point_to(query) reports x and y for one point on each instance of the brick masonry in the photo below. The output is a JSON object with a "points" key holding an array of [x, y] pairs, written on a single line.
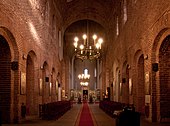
{"points": [[31, 28]]}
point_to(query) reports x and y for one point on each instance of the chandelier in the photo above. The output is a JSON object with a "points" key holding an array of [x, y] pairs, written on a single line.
{"points": [[84, 78], [87, 47], [84, 83]]}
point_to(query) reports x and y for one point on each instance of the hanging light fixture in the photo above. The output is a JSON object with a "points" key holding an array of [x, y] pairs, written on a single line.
{"points": [[84, 78], [84, 83], [88, 47]]}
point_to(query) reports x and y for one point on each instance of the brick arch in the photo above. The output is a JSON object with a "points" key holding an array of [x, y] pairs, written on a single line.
{"points": [[155, 75], [141, 84], [14, 75], [33, 55], [137, 55], [157, 43], [164, 76], [138, 86], [45, 85], [83, 22], [86, 9], [53, 87], [5, 79], [125, 83], [79, 12], [11, 41], [102, 23], [124, 69], [116, 80], [31, 87], [117, 84], [46, 66], [54, 73]]}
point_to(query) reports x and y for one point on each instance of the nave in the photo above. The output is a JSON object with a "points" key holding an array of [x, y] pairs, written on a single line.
{"points": [[72, 118]]}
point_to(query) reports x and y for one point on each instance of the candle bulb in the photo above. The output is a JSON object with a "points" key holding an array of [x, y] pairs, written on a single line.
{"points": [[84, 37], [94, 37]]}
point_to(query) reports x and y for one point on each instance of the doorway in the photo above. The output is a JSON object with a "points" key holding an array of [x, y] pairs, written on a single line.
{"points": [[5, 80], [140, 86], [30, 104], [85, 95], [164, 75]]}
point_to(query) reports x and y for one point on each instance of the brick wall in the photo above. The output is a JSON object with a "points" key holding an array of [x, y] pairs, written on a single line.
{"points": [[146, 21], [34, 26]]}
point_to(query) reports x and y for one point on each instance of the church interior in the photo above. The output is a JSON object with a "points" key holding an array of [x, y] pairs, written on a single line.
{"points": [[101, 55]]}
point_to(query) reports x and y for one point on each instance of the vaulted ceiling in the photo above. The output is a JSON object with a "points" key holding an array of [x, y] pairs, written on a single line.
{"points": [[79, 28], [75, 14], [98, 10]]}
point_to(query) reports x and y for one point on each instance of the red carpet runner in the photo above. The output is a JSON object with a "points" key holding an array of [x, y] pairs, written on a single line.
{"points": [[85, 117]]}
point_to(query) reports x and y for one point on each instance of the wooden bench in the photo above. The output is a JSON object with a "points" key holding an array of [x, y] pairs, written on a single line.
{"points": [[165, 115]]}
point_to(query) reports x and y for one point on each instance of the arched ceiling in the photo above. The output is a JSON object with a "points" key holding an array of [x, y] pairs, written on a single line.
{"points": [[76, 12], [79, 28], [97, 10]]}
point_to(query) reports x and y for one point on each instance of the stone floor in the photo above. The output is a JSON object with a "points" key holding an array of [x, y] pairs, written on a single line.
{"points": [[71, 119]]}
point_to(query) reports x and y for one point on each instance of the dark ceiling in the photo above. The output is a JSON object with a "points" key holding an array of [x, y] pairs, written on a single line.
{"points": [[100, 11]]}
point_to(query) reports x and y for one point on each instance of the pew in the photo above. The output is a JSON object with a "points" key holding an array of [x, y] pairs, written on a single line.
{"points": [[53, 110], [164, 115], [110, 107]]}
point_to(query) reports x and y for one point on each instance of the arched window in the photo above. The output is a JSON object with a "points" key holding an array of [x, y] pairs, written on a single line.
{"points": [[117, 26], [95, 72], [47, 12], [124, 11], [54, 27], [85, 71]]}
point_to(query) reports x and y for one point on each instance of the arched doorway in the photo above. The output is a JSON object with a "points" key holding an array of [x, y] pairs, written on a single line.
{"points": [[29, 85], [140, 85], [164, 75], [125, 84], [53, 86], [45, 87], [159, 49], [5, 80], [31, 103], [116, 86]]}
